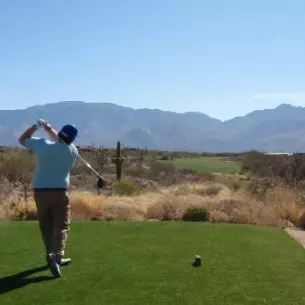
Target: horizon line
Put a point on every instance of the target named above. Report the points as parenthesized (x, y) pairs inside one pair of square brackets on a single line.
[(152, 109)]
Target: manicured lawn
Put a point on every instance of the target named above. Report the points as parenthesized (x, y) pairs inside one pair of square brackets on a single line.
[(150, 263), (207, 164)]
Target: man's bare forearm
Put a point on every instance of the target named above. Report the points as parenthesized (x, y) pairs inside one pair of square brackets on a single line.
[(27, 134), (52, 132)]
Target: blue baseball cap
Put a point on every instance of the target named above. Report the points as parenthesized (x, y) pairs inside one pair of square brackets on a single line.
[(69, 131)]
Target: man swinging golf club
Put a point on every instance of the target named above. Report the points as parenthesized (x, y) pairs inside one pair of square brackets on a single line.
[(55, 159)]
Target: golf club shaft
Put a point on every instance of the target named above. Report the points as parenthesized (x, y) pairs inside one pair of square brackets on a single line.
[(84, 161), (89, 166)]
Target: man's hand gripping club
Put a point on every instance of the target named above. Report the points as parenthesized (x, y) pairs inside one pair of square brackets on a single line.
[(48, 128)]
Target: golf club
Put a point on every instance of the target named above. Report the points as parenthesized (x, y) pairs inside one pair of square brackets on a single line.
[(101, 182)]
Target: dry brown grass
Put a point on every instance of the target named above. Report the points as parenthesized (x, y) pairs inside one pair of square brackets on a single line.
[(16, 208), (287, 205), (168, 207), (84, 206), (223, 203)]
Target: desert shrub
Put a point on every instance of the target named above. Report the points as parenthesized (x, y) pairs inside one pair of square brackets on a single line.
[(196, 214), (253, 162), (241, 210), (161, 171), (187, 171), (5, 189), (301, 185), (136, 171), (232, 184), (196, 177), (236, 186), (18, 209), (125, 187), (17, 166), (162, 168), (300, 222), (212, 190), (27, 212), (118, 212), (287, 204), (127, 207), (294, 169), (209, 190), (284, 169), (164, 158), (259, 186), (85, 206), (167, 208)]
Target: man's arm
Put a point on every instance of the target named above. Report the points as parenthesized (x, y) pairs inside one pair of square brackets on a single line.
[(30, 131), (52, 132), (27, 134)]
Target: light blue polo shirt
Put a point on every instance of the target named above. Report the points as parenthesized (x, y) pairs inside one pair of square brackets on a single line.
[(54, 161)]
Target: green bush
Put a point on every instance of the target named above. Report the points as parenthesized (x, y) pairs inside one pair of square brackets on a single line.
[(125, 187), (254, 162), (196, 214)]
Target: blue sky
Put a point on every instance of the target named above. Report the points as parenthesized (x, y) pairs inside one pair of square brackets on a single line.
[(224, 58)]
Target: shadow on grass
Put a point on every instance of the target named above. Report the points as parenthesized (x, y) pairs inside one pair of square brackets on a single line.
[(19, 280)]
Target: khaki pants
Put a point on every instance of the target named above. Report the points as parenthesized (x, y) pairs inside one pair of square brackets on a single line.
[(53, 209)]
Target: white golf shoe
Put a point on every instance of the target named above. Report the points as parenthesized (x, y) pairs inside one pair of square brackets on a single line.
[(65, 261), (62, 262)]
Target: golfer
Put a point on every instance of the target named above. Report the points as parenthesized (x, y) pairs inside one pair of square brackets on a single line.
[(54, 160)]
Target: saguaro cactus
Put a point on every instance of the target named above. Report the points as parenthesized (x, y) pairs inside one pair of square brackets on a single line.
[(141, 156), (101, 157), (118, 160)]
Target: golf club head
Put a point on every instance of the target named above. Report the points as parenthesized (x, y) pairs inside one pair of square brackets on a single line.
[(100, 183)]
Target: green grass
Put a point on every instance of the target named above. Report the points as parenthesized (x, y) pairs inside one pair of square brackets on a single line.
[(207, 164), (150, 263)]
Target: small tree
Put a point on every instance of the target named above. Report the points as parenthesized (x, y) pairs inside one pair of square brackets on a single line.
[(5, 189), (17, 166)]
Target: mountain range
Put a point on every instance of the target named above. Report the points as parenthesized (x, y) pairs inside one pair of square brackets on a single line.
[(269, 130)]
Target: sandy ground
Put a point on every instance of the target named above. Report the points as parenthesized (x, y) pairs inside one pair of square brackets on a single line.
[(298, 235)]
